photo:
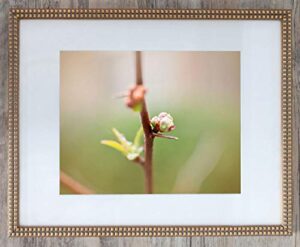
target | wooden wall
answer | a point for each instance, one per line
(150, 241)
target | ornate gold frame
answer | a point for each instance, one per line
(15, 229)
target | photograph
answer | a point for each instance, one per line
(146, 124)
(141, 122)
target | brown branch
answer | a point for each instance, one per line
(165, 136)
(139, 160)
(148, 135)
(74, 185)
(138, 71)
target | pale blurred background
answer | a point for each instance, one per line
(201, 90)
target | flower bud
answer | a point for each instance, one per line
(162, 123)
(164, 114)
(155, 122)
(136, 95)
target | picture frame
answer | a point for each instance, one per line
(17, 230)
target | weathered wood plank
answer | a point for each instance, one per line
(207, 242)
(3, 113)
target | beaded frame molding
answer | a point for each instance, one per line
(16, 230)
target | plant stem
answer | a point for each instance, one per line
(165, 136)
(74, 185)
(148, 135)
(139, 160)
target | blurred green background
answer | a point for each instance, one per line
(201, 90)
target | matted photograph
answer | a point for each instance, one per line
(149, 122)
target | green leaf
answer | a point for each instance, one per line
(132, 156)
(137, 107)
(130, 150)
(115, 145)
(138, 137)
(139, 150)
(121, 138)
